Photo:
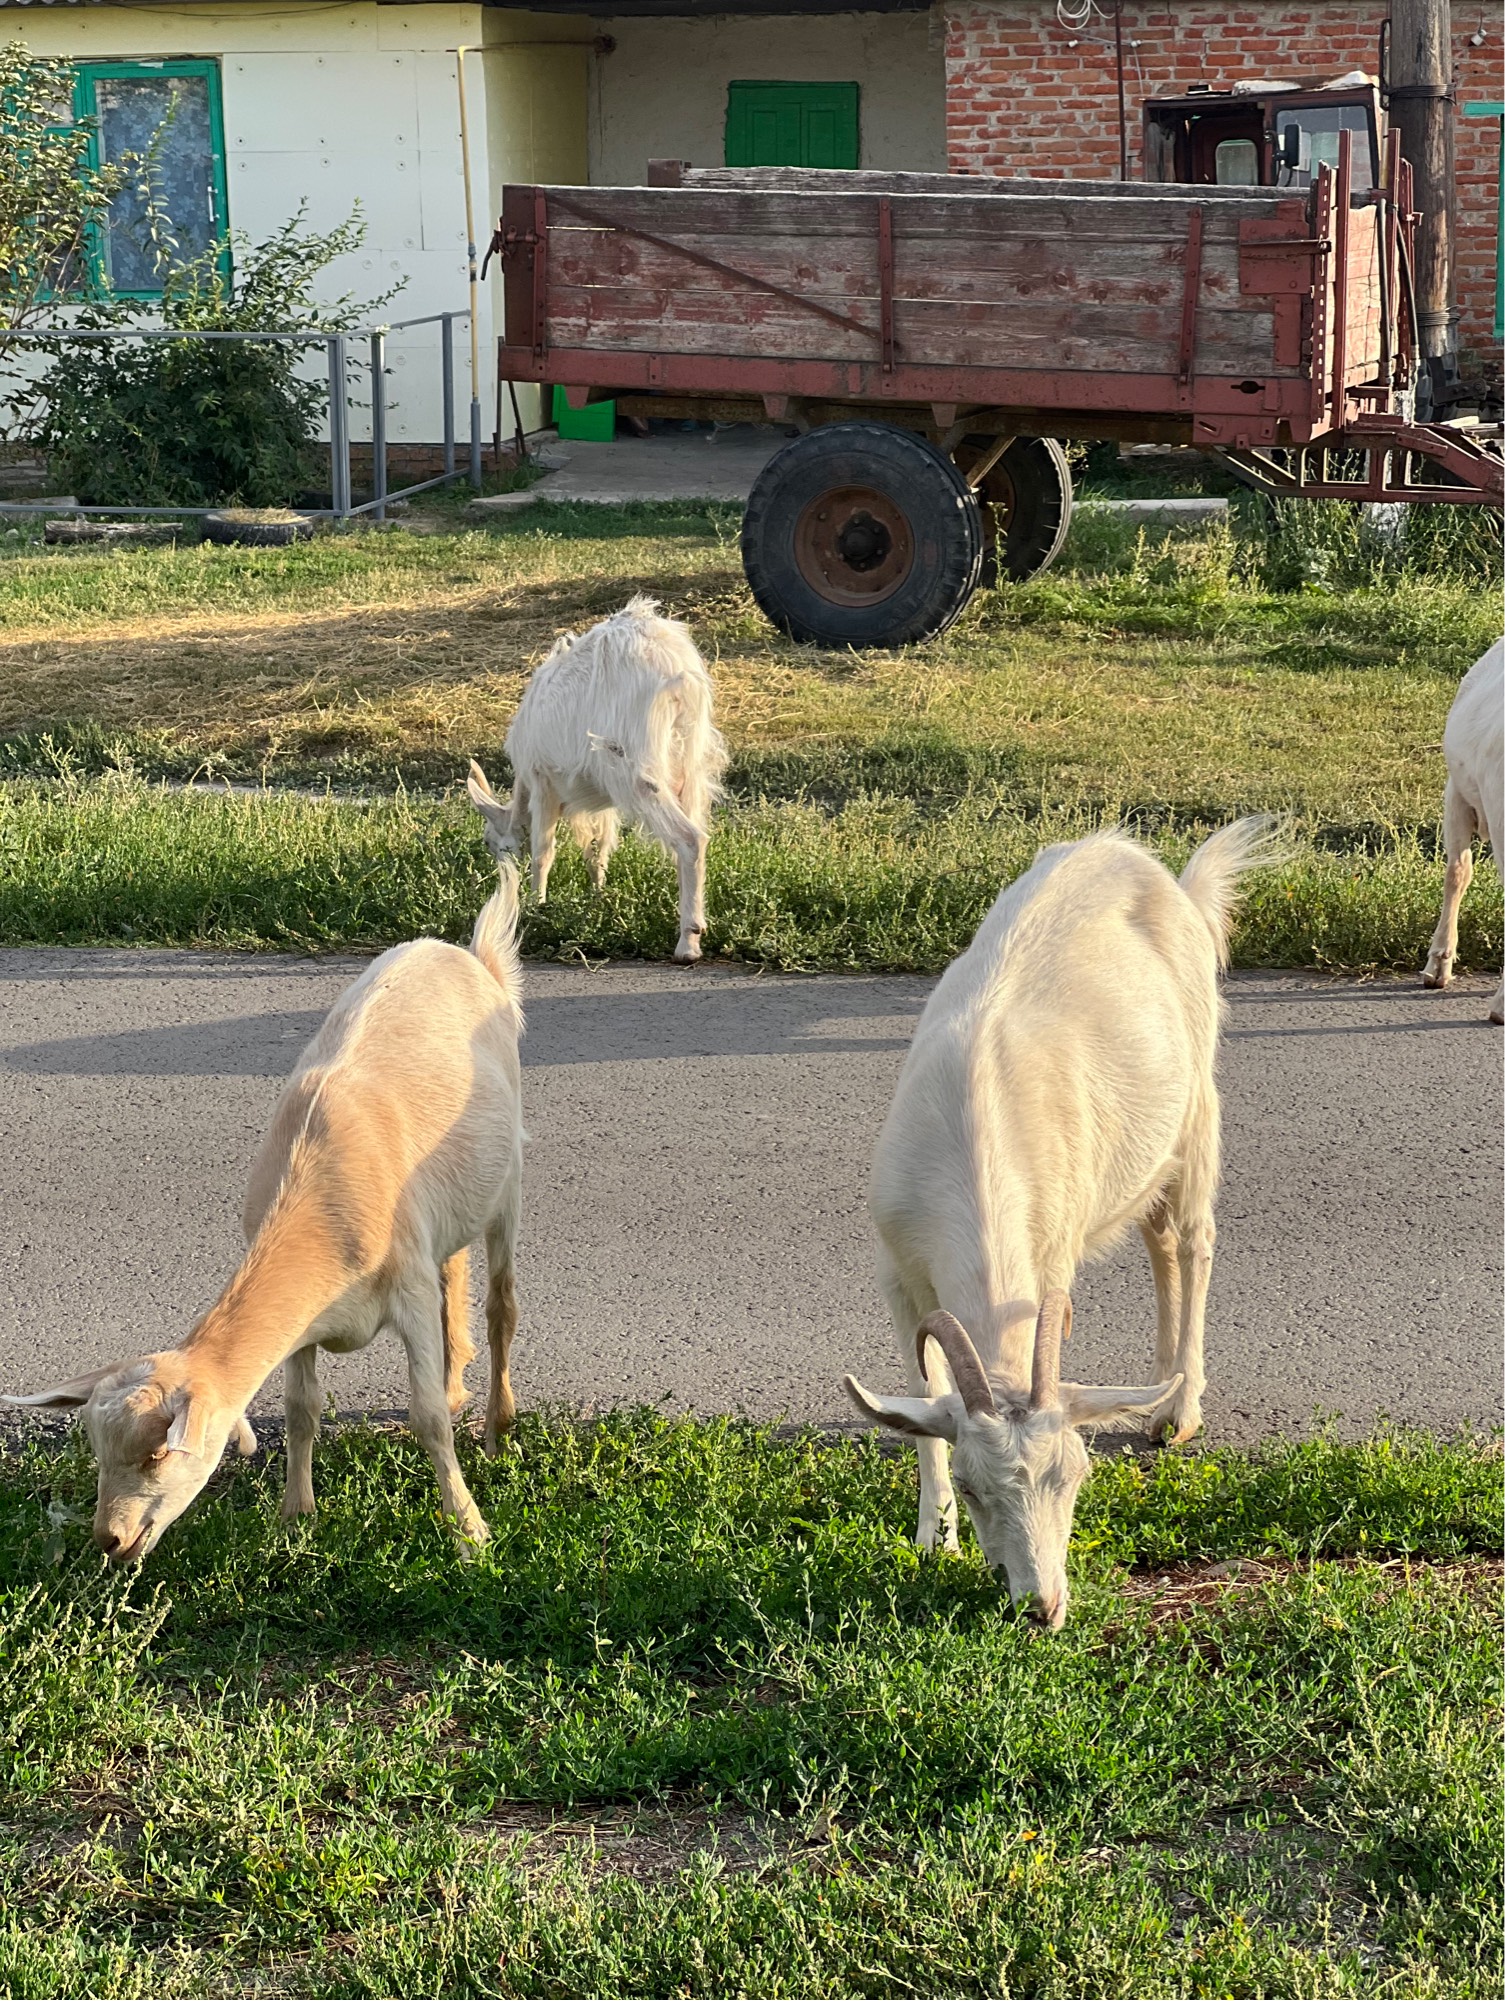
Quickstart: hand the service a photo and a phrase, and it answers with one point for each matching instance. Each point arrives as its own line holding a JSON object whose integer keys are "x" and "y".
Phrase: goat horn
{"x": 1052, "y": 1325}
{"x": 962, "y": 1360}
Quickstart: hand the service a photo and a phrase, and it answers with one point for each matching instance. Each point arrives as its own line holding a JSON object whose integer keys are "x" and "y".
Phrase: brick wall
{"x": 1020, "y": 98}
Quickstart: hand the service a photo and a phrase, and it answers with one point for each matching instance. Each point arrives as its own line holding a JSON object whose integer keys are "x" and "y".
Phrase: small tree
{"x": 52, "y": 198}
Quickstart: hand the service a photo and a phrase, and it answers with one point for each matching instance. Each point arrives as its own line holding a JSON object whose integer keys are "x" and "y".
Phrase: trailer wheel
{"x": 1027, "y": 505}
{"x": 861, "y": 535}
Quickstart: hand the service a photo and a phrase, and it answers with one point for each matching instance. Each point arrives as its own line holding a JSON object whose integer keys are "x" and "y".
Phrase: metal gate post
{"x": 339, "y": 431}
{"x": 447, "y": 361}
{"x": 379, "y": 424}
{"x": 475, "y": 443}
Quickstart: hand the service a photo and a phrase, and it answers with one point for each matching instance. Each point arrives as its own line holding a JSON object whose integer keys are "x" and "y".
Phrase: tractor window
{"x": 1237, "y": 163}
{"x": 1315, "y": 144}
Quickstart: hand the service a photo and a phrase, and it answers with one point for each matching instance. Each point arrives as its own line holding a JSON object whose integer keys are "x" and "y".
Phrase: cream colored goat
{"x": 614, "y": 726}
{"x": 1059, "y": 1089}
{"x": 396, "y": 1143}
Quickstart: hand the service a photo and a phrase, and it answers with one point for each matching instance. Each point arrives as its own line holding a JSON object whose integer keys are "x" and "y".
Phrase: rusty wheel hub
{"x": 853, "y": 545}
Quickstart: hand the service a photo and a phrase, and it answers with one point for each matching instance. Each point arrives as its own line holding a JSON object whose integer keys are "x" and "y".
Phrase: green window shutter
{"x": 792, "y": 125}
{"x": 1496, "y": 111}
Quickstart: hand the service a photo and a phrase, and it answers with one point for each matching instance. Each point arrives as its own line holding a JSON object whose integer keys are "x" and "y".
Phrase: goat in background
{"x": 615, "y": 726}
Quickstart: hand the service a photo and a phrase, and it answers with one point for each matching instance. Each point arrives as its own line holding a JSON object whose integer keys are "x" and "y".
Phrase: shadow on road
{"x": 735, "y": 1017}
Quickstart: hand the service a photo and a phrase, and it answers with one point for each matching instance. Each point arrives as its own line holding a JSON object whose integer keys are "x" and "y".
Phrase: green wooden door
{"x": 791, "y": 125}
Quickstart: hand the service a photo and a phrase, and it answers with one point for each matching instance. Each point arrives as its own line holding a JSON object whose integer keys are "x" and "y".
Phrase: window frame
{"x": 88, "y": 74}
{"x": 1496, "y": 111}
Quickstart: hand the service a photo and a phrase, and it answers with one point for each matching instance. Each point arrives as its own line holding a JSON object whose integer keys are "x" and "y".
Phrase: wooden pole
{"x": 1420, "y": 77}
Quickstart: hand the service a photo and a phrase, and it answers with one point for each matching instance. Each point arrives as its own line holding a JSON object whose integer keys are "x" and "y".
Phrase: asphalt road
{"x": 696, "y": 1233}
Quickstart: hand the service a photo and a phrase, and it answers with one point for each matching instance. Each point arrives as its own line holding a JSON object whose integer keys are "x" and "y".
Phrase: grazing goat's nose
{"x": 1048, "y": 1612}
{"x": 107, "y": 1540}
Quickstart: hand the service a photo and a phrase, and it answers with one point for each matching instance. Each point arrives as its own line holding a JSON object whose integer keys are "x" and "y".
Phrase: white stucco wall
{"x": 661, "y": 94}
{"x": 333, "y": 104}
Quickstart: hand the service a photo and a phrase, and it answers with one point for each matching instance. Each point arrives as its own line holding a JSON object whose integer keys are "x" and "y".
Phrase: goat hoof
{"x": 1171, "y": 1440}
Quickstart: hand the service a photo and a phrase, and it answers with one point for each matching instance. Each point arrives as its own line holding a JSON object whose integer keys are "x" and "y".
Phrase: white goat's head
{"x": 157, "y": 1437}
{"x": 1018, "y": 1464}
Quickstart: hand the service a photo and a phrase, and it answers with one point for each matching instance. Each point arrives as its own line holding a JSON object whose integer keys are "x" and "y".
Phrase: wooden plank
{"x": 1363, "y": 358}
{"x": 675, "y": 212}
{"x": 639, "y": 320}
{"x": 812, "y": 180}
{"x": 843, "y": 270}
{"x": 728, "y": 306}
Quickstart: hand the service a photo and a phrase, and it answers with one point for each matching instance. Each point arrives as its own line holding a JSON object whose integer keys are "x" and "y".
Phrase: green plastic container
{"x": 596, "y": 420}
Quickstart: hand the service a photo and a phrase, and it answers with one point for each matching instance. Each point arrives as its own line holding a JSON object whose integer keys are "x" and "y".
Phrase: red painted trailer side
{"x": 1246, "y": 321}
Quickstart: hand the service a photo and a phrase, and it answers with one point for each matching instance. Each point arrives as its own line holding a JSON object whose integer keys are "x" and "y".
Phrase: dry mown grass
{"x": 411, "y": 659}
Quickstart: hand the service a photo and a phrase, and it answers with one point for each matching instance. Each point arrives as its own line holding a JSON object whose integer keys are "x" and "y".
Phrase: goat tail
{"x": 704, "y": 747}
{"x": 1211, "y": 878}
{"x": 494, "y": 939}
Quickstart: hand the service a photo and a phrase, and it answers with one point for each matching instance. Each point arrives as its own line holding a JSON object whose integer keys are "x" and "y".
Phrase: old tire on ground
{"x": 1027, "y": 506}
{"x": 861, "y": 535}
{"x": 257, "y": 527}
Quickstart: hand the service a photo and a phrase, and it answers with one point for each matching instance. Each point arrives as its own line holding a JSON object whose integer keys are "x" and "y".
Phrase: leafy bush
{"x": 1336, "y": 545}
{"x": 202, "y": 423}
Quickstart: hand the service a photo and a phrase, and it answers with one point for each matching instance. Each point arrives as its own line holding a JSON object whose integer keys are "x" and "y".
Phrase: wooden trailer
{"x": 932, "y": 336}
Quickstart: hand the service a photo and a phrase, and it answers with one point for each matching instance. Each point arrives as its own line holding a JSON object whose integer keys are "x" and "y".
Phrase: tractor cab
{"x": 1263, "y": 135}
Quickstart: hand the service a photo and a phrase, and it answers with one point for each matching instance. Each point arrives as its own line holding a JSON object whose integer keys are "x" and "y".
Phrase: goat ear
{"x": 1100, "y": 1403}
{"x": 920, "y": 1417}
{"x": 478, "y": 785}
{"x": 245, "y": 1438}
{"x": 190, "y": 1419}
{"x": 66, "y": 1396}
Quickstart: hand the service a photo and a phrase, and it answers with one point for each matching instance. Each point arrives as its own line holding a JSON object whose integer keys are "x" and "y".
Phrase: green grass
{"x": 700, "y": 1721}
{"x": 876, "y": 802}
{"x": 877, "y": 883}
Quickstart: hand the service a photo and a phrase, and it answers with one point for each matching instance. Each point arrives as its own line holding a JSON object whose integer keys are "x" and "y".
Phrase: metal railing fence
{"x": 338, "y": 348}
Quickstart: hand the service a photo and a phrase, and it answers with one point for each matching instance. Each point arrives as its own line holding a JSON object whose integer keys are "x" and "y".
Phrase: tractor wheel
{"x": 861, "y": 535}
{"x": 1026, "y": 497}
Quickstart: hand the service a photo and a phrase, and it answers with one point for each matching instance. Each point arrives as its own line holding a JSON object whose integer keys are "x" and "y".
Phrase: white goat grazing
{"x": 1059, "y": 1088}
{"x": 397, "y": 1142}
{"x": 615, "y": 725}
{"x": 1473, "y": 743}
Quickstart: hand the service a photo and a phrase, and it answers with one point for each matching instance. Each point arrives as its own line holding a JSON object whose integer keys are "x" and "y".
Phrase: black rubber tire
{"x": 914, "y": 480}
{"x": 1028, "y": 500}
{"x": 256, "y": 534}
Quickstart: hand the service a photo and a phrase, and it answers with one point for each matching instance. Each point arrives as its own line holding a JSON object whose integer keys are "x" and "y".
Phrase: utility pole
{"x": 1420, "y": 77}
